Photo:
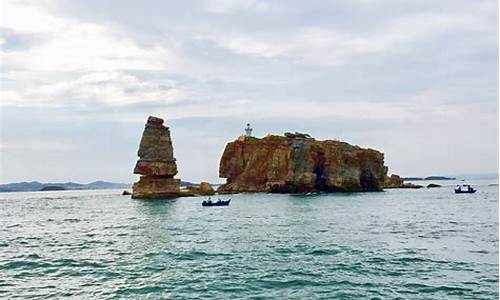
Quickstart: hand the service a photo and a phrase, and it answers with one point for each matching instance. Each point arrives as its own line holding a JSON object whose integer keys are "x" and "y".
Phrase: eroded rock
{"x": 203, "y": 189}
{"x": 433, "y": 185}
{"x": 206, "y": 189}
{"x": 409, "y": 185}
{"x": 156, "y": 163}
{"x": 393, "y": 182}
{"x": 396, "y": 182}
{"x": 297, "y": 163}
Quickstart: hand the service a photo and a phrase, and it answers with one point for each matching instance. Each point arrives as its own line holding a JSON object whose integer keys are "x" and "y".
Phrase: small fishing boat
{"x": 215, "y": 203}
{"x": 464, "y": 189}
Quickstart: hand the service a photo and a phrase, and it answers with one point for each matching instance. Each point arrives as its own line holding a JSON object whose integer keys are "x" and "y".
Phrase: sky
{"x": 417, "y": 80}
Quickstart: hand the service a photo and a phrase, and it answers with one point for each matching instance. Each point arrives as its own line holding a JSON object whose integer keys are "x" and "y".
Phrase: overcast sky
{"x": 417, "y": 80}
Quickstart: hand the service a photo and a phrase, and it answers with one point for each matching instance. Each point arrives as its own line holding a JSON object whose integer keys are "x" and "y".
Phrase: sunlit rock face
{"x": 297, "y": 163}
{"x": 156, "y": 163}
{"x": 203, "y": 189}
{"x": 392, "y": 182}
{"x": 395, "y": 182}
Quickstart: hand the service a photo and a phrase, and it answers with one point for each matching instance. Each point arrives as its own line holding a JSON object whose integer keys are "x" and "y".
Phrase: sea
{"x": 396, "y": 244}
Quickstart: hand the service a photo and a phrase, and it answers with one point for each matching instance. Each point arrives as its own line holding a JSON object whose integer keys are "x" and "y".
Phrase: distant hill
{"x": 38, "y": 186}
{"x": 428, "y": 178}
{"x": 102, "y": 185}
{"x": 439, "y": 178}
{"x": 53, "y": 186}
{"x": 478, "y": 176}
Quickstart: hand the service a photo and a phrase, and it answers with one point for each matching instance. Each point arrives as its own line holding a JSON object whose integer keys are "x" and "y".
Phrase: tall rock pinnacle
{"x": 156, "y": 163}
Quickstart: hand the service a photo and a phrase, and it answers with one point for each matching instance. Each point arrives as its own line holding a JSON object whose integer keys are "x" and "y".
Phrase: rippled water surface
{"x": 398, "y": 244}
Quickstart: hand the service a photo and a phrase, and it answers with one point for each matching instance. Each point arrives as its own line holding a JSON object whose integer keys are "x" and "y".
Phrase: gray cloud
{"x": 416, "y": 79}
{"x": 16, "y": 42}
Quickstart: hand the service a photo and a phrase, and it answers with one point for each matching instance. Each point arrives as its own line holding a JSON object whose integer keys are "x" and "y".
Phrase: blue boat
{"x": 215, "y": 203}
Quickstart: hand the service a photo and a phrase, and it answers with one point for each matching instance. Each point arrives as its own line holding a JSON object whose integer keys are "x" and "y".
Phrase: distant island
{"x": 34, "y": 186}
{"x": 56, "y": 186}
{"x": 52, "y": 188}
{"x": 428, "y": 178}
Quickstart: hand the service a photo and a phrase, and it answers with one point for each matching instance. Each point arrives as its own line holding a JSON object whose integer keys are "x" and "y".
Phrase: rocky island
{"x": 298, "y": 163}
{"x": 292, "y": 163}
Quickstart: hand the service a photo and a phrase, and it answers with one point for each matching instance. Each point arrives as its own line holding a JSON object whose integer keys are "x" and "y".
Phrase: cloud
{"x": 330, "y": 46}
{"x": 70, "y": 45}
{"x": 30, "y": 17}
{"x": 110, "y": 88}
{"x": 36, "y": 145}
{"x": 86, "y": 47}
{"x": 403, "y": 77}
{"x": 231, "y": 6}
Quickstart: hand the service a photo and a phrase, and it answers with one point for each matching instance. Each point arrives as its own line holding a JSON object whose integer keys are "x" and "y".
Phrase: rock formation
{"x": 433, "y": 185}
{"x": 396, "y": 182}
{"x": 206, "y": 189}
{"x": 297, "y": 163}
{"x": 393, "y": 182}
{"x": 203, "y": 189}
{"x": 409, "y": 185}
{"x": 156, "y": 163}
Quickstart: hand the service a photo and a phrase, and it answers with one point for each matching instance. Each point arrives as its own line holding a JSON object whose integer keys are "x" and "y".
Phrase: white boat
{"x": 464, "y": 189}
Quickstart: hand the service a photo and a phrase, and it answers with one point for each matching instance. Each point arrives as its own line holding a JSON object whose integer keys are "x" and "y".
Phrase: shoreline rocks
{"x": 206, "y": 189}
{"x": 297, "y": 163}
{"x": 396, "y": 182}
{"x": 409, "y": 185}
{"x": 433, "y": 185}
{"x": 203, "y": 189}
{"x": 393, "y": 182}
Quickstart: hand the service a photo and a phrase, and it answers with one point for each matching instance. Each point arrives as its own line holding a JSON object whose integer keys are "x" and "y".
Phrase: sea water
{"x": 397, "y": 244}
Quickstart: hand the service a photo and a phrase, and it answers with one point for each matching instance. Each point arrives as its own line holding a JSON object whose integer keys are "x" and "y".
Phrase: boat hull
{"x": 221, "y": 203}
{"x": 464, "y": 192}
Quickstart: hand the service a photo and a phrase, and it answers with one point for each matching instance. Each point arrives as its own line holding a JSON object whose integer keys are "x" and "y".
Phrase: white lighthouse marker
{"x": 248, "y": 130}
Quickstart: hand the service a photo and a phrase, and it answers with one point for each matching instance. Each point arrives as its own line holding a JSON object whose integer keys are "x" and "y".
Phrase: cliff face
{"x": 296, "y": 163}
{"x": 156, "y": 163}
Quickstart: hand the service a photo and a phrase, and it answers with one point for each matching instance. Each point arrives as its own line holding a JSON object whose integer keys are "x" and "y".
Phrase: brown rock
{"x": 297, "y": 163}
{"x": 203, "y": 189}
{"x": 433, "y": 185}
{"x": 393, "y": 182}
{"x": 156, "y": 153}
{"x": 151, "y": 167}
{"x": 156, "y": 187}
{"x": 206, "y": 189}
{"x": 156, "y": 163}
{"x": 187, "y": 192}
{"x": 410, "y": 185}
